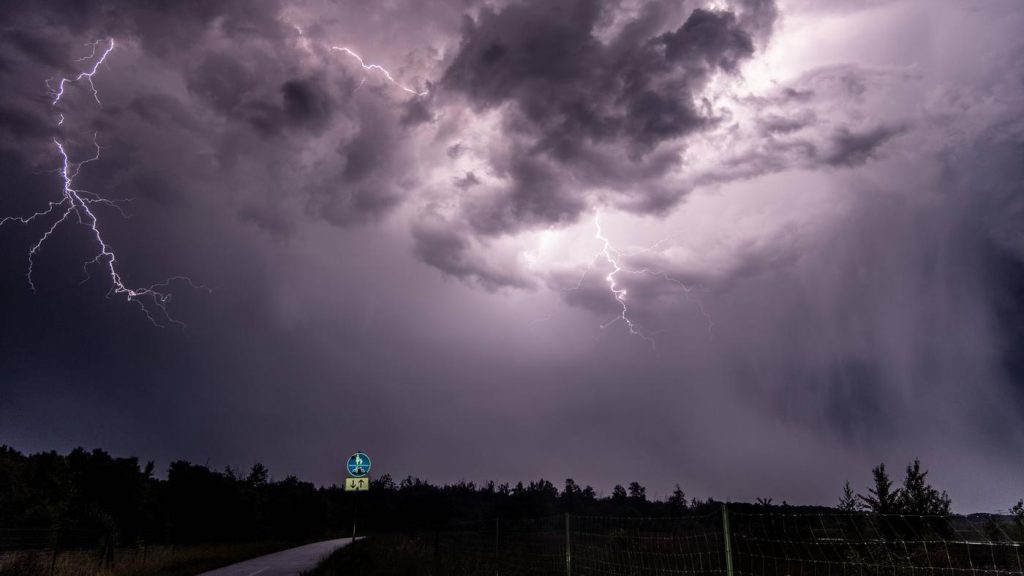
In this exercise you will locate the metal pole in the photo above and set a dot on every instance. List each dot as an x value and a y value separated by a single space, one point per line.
568 548
728 540
355 510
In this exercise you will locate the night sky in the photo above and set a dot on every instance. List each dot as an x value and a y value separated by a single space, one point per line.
752 247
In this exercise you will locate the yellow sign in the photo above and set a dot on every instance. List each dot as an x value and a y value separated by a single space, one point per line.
357 484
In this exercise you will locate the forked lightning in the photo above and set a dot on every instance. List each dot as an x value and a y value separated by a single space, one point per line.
75 205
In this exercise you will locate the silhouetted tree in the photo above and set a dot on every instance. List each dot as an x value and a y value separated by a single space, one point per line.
258 475
678 499
917 497
387 484
848 501
764 501
881 499
637 492
571 487
618 492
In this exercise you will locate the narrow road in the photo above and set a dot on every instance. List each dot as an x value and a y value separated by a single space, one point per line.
284 563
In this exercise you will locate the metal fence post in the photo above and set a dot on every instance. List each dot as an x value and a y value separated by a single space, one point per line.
728 539
568 547
355 511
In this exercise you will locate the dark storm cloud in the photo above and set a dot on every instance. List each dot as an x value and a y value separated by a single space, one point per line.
883 329
244 63
853 148
582 114
575 96
538 196
307 103
450 250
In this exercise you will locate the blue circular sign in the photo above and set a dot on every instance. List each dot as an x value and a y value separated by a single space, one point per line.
358 464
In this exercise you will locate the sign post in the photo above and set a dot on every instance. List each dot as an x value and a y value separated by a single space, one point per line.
358 480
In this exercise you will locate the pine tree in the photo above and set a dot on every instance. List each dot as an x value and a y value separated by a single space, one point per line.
848 501
881 499
917 497
618 492
678 499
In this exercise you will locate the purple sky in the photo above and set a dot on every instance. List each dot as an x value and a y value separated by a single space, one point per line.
750 247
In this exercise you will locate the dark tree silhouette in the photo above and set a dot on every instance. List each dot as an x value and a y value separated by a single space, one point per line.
637 492
881 498
918 497
571 488
618 492
848 501
678 499
258 475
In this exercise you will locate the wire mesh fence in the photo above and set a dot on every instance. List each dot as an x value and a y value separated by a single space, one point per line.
827 544
770 543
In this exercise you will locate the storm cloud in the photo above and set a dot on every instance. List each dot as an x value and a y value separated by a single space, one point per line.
810 213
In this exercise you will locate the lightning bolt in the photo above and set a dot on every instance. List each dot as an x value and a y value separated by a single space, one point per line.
371 67
614 258
76 204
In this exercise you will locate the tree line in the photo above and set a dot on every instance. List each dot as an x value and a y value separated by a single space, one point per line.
915 497
74 498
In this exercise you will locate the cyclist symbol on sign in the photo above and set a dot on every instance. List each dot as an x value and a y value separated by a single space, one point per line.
359 464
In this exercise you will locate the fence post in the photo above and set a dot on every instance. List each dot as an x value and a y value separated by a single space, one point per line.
568 547
497 533
355 511
728 539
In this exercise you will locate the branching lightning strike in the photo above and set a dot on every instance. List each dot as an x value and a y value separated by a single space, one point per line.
78 203
614 258
384 71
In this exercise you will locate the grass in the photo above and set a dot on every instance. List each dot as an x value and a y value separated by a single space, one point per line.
429 554
148 561
382 555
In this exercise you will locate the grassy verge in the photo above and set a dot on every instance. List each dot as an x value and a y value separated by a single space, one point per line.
427 554
381 555
148 561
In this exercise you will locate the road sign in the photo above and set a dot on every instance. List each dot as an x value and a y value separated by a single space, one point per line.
357 484
358 465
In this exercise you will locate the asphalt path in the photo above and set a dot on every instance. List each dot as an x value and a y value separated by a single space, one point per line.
284 563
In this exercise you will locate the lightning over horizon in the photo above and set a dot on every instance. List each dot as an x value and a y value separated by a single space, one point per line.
78 203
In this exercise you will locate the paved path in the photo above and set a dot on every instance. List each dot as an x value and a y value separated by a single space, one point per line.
285 563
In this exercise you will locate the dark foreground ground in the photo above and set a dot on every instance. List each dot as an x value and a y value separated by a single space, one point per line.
387 555
162 560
